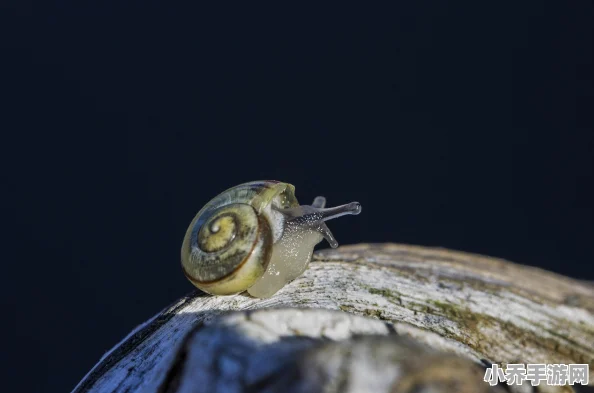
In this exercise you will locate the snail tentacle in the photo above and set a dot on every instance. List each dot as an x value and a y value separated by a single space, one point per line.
304 228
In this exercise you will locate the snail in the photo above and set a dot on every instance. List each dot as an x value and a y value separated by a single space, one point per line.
255 237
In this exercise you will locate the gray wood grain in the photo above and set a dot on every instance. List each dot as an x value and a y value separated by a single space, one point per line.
366 317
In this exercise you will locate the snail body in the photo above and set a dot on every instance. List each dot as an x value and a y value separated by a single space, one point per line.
255 237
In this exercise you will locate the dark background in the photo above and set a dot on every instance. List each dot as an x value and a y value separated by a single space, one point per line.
461 125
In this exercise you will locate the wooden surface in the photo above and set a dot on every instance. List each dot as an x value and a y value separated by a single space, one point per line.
378 318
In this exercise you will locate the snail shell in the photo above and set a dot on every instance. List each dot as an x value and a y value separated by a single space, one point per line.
255 237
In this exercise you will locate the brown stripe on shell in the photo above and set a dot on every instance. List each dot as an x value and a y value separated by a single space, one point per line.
263 230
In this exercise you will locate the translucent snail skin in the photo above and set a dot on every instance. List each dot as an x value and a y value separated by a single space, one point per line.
255 237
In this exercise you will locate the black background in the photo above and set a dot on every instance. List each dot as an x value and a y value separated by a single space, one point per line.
461 125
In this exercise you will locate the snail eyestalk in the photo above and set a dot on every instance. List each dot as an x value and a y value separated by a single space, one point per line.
319 202
304 227
353 208
313 217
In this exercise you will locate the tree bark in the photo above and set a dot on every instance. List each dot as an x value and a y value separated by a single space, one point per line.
368 317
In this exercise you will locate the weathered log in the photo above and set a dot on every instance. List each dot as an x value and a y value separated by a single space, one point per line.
365 317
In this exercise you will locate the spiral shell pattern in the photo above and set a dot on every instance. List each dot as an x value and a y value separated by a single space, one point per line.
228 245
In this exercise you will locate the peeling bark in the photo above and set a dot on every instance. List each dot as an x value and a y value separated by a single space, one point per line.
381 318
